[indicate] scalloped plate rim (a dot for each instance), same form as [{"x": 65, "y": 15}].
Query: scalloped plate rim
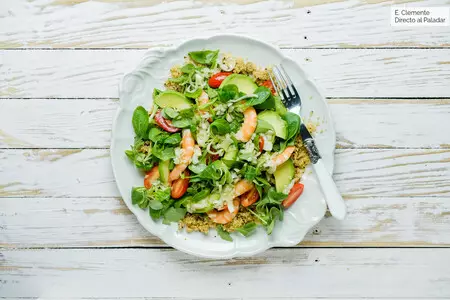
[{"x": 235, "y": 252}]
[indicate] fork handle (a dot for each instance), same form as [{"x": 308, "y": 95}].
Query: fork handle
[{"x": 336, "y": 204}]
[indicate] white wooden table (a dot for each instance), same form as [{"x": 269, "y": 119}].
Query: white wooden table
[{"x": 64, "y": 230}]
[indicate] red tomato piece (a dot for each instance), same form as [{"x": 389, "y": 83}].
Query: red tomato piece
[
  {"x": 151, "y": 176},
  {"x": 268, "y": 84},
  {"x": 294, "y": 193},
  {"x": 216, "y": 80},
  {"x": 261, "y": 143},
  {"x": 180, "y": 186},
  {"x": 249, "y": 198}
]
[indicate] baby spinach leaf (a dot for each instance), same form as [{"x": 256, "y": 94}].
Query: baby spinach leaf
[
  {"x": 141, "y": 154},
  {"x": 201, "y": 195},
  {"x": 225, "y": 235},
  {"x": 197, "y": 168},
  {"x": 137, "y": 194},
  {"x": 205, "y": 57},
  {"x": 250, "y": 172},
  {"x": 163, "y": 153},
  {"x": 173, "y": 139},
  {"x": 161, "y": 195},
  {"x": 248, "y": 229},
  {"x": 155, "y": 214},
  {"x": 169, "y": 113},
  {"x": 140, "y": 121},
  {"x": 262, "y": 94},
  {"x": 228, "y": 92},
  {"x": 269, "y": 103},
  {"x": 276, "y": 196},
  {"x": 220, "y": 127},
  {"x": 174, "y": 215},
  {"x": 139, "y": 197},
  {"x": 156, "y": 205},
  {"x": 183, "y": 79},
  {"x": 235, "y": 125},
  {"x": 259, "y": 181},
  {"x": 211, "y": 172},
  {"x": 195, "y": 94},
  {"x": 214, "y": 171},
  {"x": 154, "y": 133},
  {"x": 212, "y": 93},
  {"x": 182, "y": 123},
  {"x": 186, "y": 113},
  {"x": 293, "y": 122},
  {"x": 188, "y": 68},
  {"x": 182, "y": 202},
  {"x": 158, "y": 213},
  {"x": 156, "y": 93}
]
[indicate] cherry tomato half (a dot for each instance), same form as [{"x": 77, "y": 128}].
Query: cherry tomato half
[
  {"x": 216, "y": 80},
  {"x": 268, "y": 84},
  {"x": 151, "y": 176},
  {"x": 180, "y": 186},
  {"x": 261, "y": 143},
  {"x": 294, "y": 193},
  {"x": 250, "y": 197}
]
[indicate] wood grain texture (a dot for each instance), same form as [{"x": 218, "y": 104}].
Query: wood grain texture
[
  {"x": 359, "y": 123},
  {"x": 149, "y": 23},
  {"x": 411, "y": 273},
  {"x": 358, "y": 173},
  {"x": 107, "y": 222},
  {"x": 338, "y": 72}
]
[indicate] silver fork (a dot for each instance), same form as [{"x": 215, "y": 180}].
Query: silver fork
[{"x": 291, "y": 99}]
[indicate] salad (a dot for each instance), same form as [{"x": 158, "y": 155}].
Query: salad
[{"x": 218, "y": 148}]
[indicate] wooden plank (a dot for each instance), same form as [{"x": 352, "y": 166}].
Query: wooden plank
[
  {"x": 346, "y": 273},
  {"x": 339, "y": 72},
  {"x": 86, "y": 123},
  {"x": 149, "y": 23},
  {"x": 358, "y": 173},
  {"x": 107, "y": 222}
]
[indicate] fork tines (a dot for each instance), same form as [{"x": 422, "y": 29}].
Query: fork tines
[{"x": 284, "y": 86}]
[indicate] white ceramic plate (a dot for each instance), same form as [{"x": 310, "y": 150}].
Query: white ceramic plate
[{"x": 136, "y": 89}]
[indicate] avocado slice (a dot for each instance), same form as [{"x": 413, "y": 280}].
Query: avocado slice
[
  {"x": 163, "y": 169},
  {"x": 244, "y": 83},
  {"x": 230, "y": 155},
  {"x": 173, "y": 100},
  {"x": 279, "y": 106},
  {"x": 284, "y": 175},
  {"x": 263, "y": 126},
  {"x": 274, "y": 119}
]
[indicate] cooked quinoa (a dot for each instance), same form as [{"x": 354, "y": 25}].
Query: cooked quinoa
[{"x": 202, "y": 223}]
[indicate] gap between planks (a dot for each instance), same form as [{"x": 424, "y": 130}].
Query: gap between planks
[
  {"x": 397, "y": 222},
  {"x": 96, "y": 74},
  {"x": 86, "y": 123},
  {"x": 57, "y": 273},
  {"x": 358, "y": 172},
  {"x": 327, "y": 23}
]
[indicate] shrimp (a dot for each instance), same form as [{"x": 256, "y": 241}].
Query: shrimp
[
  {"x": 242, "y": 187},
  {"x": 248, "y": 127},
  {"x": 187, "y": 146},
  {"x": 202, "y": 100},
  {"x": 224, "y": 216},
  {"x": 283, "y": 156}
]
